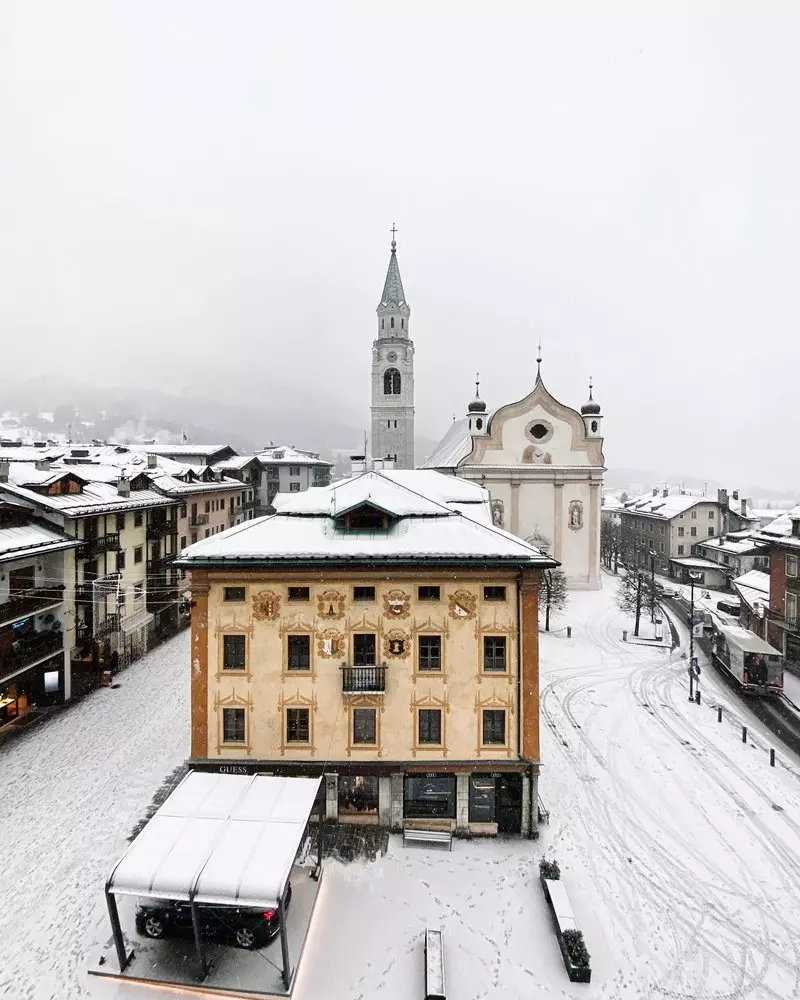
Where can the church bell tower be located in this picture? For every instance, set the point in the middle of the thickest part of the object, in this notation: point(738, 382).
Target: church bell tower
point(392, 405)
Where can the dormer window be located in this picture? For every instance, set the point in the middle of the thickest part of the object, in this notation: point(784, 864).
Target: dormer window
point(366, 518)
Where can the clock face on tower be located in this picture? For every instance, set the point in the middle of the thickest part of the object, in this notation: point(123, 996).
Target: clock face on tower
point(391, 356)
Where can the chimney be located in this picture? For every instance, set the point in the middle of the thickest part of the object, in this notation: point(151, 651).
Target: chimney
point(744, 506)
point(722, 498)
point(42, 464)
point(655, 491)
point(124, 486)
point(358, 464)
point(735, 494)
point(665, 493)
point(5, 467)
point(152, 461)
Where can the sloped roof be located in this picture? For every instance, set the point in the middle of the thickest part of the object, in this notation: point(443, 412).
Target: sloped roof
point(369, 488)
point(780, 530)
point(453, 448)
point(753, 587)
point(17, 541)
point(97, 498)
point(393, 295)
point(289, 456)
point(747, 641)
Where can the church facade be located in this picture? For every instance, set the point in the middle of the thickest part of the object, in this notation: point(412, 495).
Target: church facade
point(543, 464)
point(392, 398)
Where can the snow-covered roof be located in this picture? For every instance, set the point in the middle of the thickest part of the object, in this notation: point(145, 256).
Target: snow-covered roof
point(220, 838)
point(96, 498)
point(171, 486)
point(673, 504)
point(209, 450)
point(780, 530)
point(747, 641)
point(610, 502)
point(286, 455)
point(753, 587)
point(695, 562)
point(19, 541)
point(454, 447)
point(235, 462)
point(738, 546)
point(309, 527)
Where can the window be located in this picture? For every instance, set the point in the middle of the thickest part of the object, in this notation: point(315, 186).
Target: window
point(299, 649)
point(183, 510)
point(120, 522)
point(234, 594)
point(294, 487)
point(710, 532)
point(366, 518)
point(791, 606)
point(206, 533)
point(693, 531)
point(222, 504)
point(428, 593)
point(481, 798)
point(681, 532)
point(430, 652)
point(494, 654)
point(791, 566)
point(364, 650)
point(680, 516)
point(711, 515)
point(194, 537)
point(294, 470)
point(391, 321)
point(363, 593)
point(494, 593)
point(233, 650)
point(680, 550)
point(391, 382)
point(660, 546)
point(364, 726)
point(402, 324)
point(430, 726)
point(297, 725)
point(429, 795)
point(137, 519)
point(661, 528)
point(233, 725)
point(358, 795)
point(494, 726)
point(137, 554)
point(183, 541)
point(208, 506)
point(694, 515)
point(299, 594)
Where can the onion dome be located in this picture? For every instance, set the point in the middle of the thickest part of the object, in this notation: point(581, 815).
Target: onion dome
point(591, 406)
point(477, 405)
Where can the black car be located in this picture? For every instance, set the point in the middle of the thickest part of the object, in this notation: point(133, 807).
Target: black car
point(243, 926)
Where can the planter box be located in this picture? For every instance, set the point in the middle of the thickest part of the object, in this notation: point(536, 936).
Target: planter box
point(563, 919)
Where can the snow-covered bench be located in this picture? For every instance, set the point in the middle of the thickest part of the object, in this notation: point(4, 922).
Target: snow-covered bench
point(442, 837)
point(556, 895)
point(434, 966)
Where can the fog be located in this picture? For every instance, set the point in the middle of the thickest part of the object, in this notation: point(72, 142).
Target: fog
point(200, 193)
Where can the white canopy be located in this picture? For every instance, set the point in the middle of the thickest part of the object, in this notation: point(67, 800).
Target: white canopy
point(220, 838)
point(748, 641)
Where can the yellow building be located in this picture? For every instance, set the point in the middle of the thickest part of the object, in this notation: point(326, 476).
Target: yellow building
point(380, 631)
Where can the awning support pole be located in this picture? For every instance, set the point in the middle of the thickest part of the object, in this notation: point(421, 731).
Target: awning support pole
point(198, 943)
point(116, 930)
point(321, 837)
point(286, 971)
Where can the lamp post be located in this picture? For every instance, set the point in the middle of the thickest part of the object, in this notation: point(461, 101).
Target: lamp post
point(652, 585)
point(693, 575)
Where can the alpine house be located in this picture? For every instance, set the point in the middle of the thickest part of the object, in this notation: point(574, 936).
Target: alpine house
point(384, 633)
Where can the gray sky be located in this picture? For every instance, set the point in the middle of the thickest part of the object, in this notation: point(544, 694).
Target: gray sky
point(197, 188)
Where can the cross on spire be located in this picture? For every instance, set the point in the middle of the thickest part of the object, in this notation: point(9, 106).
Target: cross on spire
point(477, 383)
point(539, 361)
point(393, 231)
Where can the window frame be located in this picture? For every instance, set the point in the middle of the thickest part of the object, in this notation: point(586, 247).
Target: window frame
point(493, 637)
point(298, 595)
point(244, 669)
point(430, 712)
point(234, 600)
point(495, 599)
point(297, 743)
point(368, 710)
point(791, 560)
point(359, 635)
point(138, 554)
point(227, 741)
point(293, 636)
point(492, 744)
point(360, 598)
point(433, 593)
point(428, 637)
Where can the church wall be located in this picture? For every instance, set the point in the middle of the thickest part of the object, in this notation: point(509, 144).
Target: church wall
point(556, 448)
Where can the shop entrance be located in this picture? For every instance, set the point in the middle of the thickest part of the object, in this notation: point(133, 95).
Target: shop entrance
point(508, 807)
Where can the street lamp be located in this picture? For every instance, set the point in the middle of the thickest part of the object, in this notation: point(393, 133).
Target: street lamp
point(652, 585)
point(693, 575)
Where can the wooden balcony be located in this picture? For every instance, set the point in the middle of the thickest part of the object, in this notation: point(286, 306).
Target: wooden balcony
point(32, 603)
point(198, 520)
point(364, 680)
point(31, 649)
point(159, 529)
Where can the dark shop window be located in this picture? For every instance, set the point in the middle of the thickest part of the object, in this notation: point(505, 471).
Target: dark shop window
point(430, 795)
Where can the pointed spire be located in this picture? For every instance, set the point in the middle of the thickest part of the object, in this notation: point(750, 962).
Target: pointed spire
point(539, 362)
point(477, 405)
point(590, 406)
point(393, 297)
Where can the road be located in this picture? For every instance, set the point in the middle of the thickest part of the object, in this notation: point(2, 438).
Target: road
point(684, 841)
point(73, 789)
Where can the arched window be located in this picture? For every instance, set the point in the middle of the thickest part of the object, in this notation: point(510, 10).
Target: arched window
point(402, 324)
point(382, 323)
point(392, 322)
point(391, 382)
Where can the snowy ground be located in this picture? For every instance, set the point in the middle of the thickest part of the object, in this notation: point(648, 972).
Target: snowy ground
point(680, 846)
point(73, 788)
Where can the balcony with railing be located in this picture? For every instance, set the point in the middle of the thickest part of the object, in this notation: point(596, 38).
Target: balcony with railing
point(107, 625)
point(160, 529)
point(33, 602)
point(364, 680)
point(31, 649)
point(160, 564)
point(198, 520)
point(161, 593)
point(96, 544)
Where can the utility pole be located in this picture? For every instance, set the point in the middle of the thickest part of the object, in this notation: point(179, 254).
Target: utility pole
point(638, 603)
point(652, 585)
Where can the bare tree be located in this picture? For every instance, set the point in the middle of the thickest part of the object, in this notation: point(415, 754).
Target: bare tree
point(632, 593)
point(554, 594)
point(610, 544)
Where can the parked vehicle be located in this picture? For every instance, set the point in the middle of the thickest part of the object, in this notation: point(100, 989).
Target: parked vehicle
point(243, 926)
point(755, 665)
point(732, 608)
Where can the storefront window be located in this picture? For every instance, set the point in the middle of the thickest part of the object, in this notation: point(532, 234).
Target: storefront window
point(481, 798)
point(358, 795)
point(432, 795)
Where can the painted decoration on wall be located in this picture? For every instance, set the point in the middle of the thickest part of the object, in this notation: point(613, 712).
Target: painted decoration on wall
point(266, 606)
point(498, 513)
point(330, 644)
point(395, 643)
point(576, 515)
point(462, 604)
point(330, 605)
point(534, 455)
point(396, 604)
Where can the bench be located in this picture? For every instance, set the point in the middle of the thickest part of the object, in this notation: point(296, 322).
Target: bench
point(564, 919)
point(544, 814)
point(434, 966)
point(443, 837)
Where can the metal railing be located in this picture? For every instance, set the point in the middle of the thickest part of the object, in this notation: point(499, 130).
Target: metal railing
point(158, 529)
point(32, 602)
point(198, 520)
point(30, 649)
point(99, 543)
point(108, 625)
point(364, 680)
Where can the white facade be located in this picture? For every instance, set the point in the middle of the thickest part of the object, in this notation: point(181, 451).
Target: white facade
point(392, 396)
point(543, 465)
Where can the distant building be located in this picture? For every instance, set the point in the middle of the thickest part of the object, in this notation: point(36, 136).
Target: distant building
point(291, 470)
point(381, 632)
point(543, 464)
point(735, 553)
point(782, 536)
point(36, 566)
point(248, 470)
point(192, 454)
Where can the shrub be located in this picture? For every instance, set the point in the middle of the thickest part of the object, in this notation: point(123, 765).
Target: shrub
point(549, 869)
point(576, 949)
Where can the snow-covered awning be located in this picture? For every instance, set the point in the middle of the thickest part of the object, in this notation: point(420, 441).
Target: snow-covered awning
point(748, 641)
point(220, 838)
